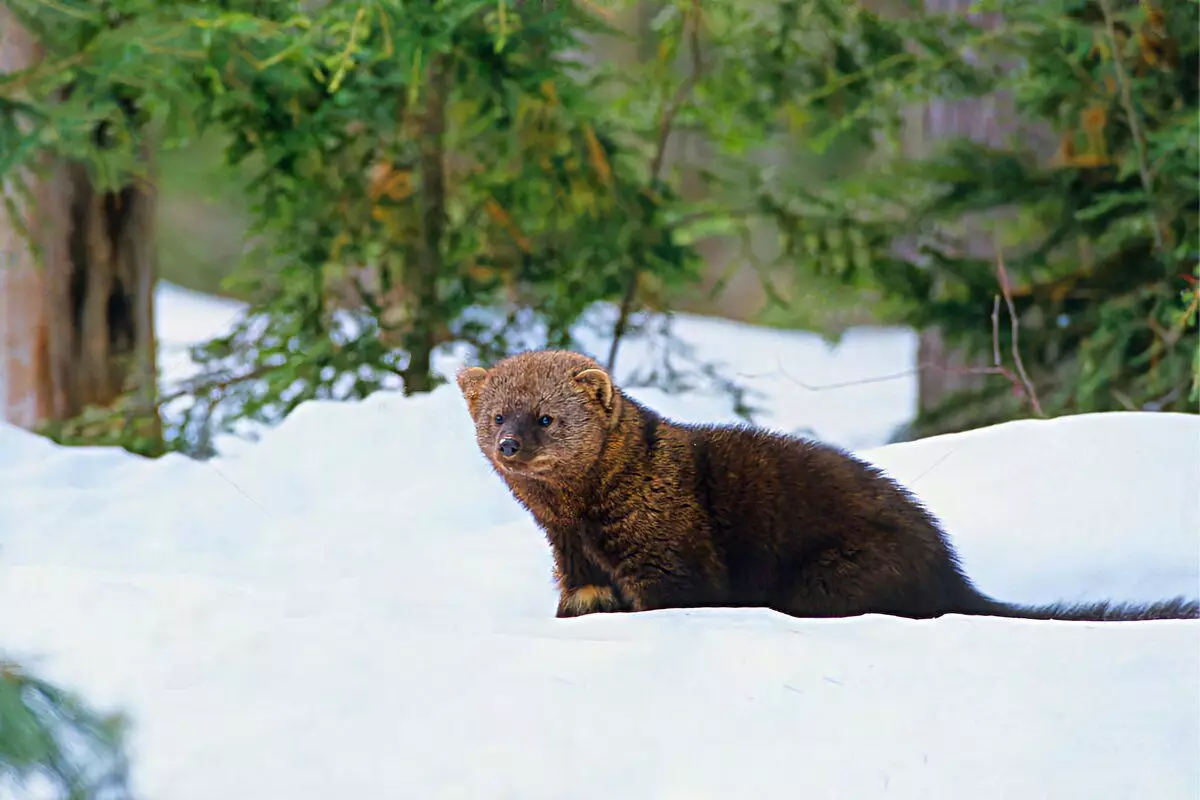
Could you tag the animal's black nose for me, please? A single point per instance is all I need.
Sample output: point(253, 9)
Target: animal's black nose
point(509, 447)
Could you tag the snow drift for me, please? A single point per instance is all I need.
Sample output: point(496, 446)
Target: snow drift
point(354, 607)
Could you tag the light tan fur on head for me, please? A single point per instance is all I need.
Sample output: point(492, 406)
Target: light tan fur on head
point(470, 383)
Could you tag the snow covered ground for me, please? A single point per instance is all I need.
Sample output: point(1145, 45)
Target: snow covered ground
point(354, 607)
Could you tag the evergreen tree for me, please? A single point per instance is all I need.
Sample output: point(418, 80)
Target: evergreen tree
point(49, 739)
point(76, 302)
point(421, 176)
point(1070, 280)
point(425, 176)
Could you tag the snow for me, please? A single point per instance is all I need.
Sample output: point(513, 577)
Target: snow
point(355, 607)
point(182, 318)
point(854, 393)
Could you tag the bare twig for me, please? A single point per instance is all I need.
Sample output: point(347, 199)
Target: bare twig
point(668, 114)
point(368, 298)
point(665, 124)
point(1135, 127)
point(923, 367)
point(210, 385)
point(622, 323)
point(1020, 379)
point(1030, 392)
point(1125, 400)
point(996, 331)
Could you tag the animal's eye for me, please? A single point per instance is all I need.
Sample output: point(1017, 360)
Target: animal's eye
point(499, 419)
point(544, 420)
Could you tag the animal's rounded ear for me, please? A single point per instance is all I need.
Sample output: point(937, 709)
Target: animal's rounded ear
point(598, 384)
point(470, 383)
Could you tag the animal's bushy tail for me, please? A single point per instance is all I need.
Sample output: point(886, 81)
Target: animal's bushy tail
point(1103, 611)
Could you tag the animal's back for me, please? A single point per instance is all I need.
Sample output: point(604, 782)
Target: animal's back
point(808, 529)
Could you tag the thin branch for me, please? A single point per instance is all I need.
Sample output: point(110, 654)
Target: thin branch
point(665, 125)
point(1134, 126)
point(667, 118)
point(1125, 400)
point(368, 298)
point(622, 323)
point(1019, 380)
point(1016, 352)
point(996, 331)
point(209, 384)
point(922, 367)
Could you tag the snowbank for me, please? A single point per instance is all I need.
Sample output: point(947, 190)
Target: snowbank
point(354, 607)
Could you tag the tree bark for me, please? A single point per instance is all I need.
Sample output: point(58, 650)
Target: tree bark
point(78, 326)
point(421, 277)
point(101, 267)
point(24, 354)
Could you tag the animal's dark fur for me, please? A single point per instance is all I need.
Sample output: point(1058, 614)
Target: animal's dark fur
point(645, 513)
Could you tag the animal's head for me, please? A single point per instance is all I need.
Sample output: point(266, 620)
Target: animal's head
point(543, 414)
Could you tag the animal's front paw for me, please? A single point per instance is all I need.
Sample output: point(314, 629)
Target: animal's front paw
point(588, 600)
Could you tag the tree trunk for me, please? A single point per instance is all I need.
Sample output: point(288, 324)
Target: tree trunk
point(421, 277)
point(78, 326)
point(24, 355)
point(101, 267)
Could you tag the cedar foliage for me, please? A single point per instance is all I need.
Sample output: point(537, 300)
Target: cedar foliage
point(422, 175)
point(428, 175)
point(1098, 243)
point(51, 740)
